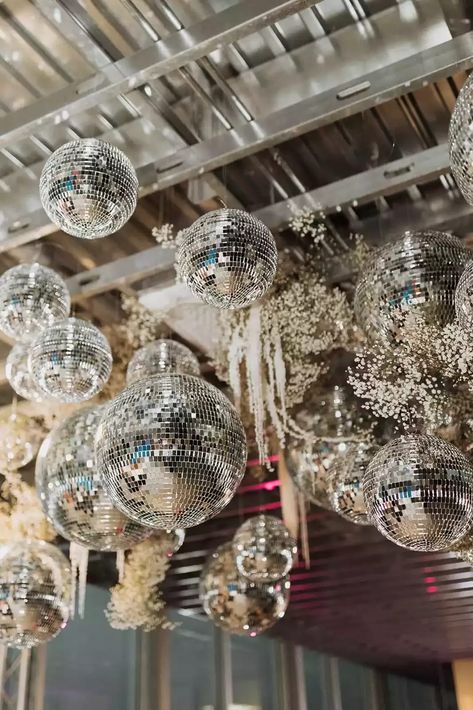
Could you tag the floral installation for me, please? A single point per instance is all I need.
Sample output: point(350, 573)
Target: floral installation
point(21, 513)
point(309, 223)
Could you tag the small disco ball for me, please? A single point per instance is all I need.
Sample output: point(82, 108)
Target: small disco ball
point(345, 482)
point(71, 490)
point(264, 549)
point(460, 141)
point(418, 491)
point(236, 604)
point(464, 298)
point(174, 540)
point(227, 258)
point(171, 450)
point(88, 188)
point(32, 297)
point(160, 357)
point(309, 464)
point(35, 593)
point(71, 361)
point(18, 374)
point(20, 438)
point(418, 274)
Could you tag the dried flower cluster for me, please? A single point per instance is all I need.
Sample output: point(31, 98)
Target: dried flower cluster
point(21, 513)
point(309, 223)
point(165, 236)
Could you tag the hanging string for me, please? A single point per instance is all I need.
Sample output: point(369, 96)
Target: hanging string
point(304, 531)
point(79, 557)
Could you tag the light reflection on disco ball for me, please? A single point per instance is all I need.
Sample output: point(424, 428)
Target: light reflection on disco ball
point(460, 141)
point(264, 549)
point(20, 437)
point(236, 604)
point(464, 298)
point(227, 258)
point(71, 361)
point(34, 593)
point(88, 188)
point(32, 297)
point(345, 482)
point(72, 492)
point(171, 450)
point(418, 273)
point(18, 374)
point(160, 357)
point(418, 492)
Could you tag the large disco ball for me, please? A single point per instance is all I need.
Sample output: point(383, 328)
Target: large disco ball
point(20, 437)
point(71, 361)
point(18, 374)
point(418, 491)
point(418, 274)
point(32, 297)
point(227, 258)
point(460, 141)
point(160, 357)
point(264, 549)
point(35, 593)
point(464, 298)
point(88, 188)
point(236, 604)
point(72, 492)
point(345, 482)
point(171, 450)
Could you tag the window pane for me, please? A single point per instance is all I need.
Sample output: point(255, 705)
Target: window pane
point(354, 685)
point(314, 671)
point(254, 673)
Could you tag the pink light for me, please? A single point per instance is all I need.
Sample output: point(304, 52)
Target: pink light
point(258, 462)
point(253, 634)
point(430, 580)
point(271, 485)
point(431, 590)
point(428, 569)
point(264, 486)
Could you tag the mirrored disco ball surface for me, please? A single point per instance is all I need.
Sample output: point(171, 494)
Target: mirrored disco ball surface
point(264, 549)
point(464, 298)
point(308, 464)
point(88, 188)
point(236, 604)
point(345, 482)
point(418, 491)
point(159, 357)
point(20, 437)
point(72, 492)
point(34, 593)
point(417, 273)
point(32, 297)
point(460, 141)
point(227, 258)
point(71, 361)
point(174, 540)
point(18, 374)
point(171, 451)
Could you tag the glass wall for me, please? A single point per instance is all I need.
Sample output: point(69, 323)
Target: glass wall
point(254, 673)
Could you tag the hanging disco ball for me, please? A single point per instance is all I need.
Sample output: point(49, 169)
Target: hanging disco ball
point(88, 188)
point(460, 141)
point(171, 450)
point(464, 298)
point(345, 482)
point(174, 540)
point(18, 374)
point(418, 274)
point(71, 361)
point(34, 593)
point(72, 492)
point(32, 297)
point(160, 357)
point(236, 604)
point(227, 258)
point(20, 437)
point(264, 549)
point(418, 491)
point(307, 471)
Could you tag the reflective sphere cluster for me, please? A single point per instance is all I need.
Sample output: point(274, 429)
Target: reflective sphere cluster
point(32, 297)
point(460, 141)
point(71, 361)
point(264, 549)
point(160, 357)
point(171, 450)
point(18, 374)
point(236, 604)
point(20, 437)
point(418, 273)
point(227, 258)
point(72, 492)
point(418, 491)
point(34, 593)
point(345, 482)
point(88, 188)
point(464, 298)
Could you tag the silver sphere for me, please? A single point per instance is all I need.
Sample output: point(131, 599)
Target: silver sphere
point(32, 297)
point(71, 361)
point(171, 450)
point(464, 298)
point(460, 141)
point(418, 273)
point(264, 549)
point(160, 357)
point(20, 438)
point(309, 463)
point(227, 258)
point(174, 540)
point(88, 188)
point(72, 492)
point(418, 491)
point(18, 374)
point(345, 482)
point(35, 593)
point(236, 604)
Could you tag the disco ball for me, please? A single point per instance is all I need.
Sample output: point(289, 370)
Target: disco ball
point(418, 491)
point(18, 374)
point(460, 141)
point(463, 549)
point(236, 604)
point(34, 593)
point(20, 438)
point(174, 540)
point(227, 258)
point(464, 298)
point(264, 549)
point(71, 490)
point(171, 450)
point(309, 463)
point(88, 188)
point(71, 361)
point(345, 482)
point(160, 357)
point(32, 297)
point(418, 273)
